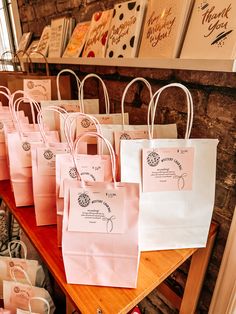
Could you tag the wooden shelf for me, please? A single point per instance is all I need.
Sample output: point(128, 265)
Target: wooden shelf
point(181, 64)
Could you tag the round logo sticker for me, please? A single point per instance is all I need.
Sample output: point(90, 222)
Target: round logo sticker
point(48, 154)
point(16, 289)
point(85, 123)
point(153, 159)
point(84, 200)
point(73, 173)
point(125, 136)
point(1, 125)
point(26, 146)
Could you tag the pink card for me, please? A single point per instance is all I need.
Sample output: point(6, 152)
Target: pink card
point(46, 157)
point(167, 169)
point(128, 135)
point(38, 89)
point(94, 209)
point(91, 168)
point(20, 295)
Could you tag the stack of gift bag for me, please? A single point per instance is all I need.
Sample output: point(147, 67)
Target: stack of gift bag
point(113, 189)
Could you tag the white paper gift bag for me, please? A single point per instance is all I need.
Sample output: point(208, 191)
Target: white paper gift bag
point(115, 133)
point(89, 106)
point(16, 295)
point(7, 263)
point(100, 231)
point(177, 178)
point(106, 118)
point(30, 305)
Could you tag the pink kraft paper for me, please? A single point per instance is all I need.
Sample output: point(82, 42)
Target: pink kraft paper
point(65, 159)
point(103, 259)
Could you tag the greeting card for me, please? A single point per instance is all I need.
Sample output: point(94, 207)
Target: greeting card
point(77, 40)
point(164, 28)
point(212, 31)
point(125, 29)
point(44, 41)
point(96, 42)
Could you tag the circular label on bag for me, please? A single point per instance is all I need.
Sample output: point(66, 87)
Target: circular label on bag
point(73, 173)
point(85, 123)
point(125, 136)
point(48, 154)
point(84, 200)
point(1, 125)
point(16, 289)
point(153, 159)
point(26, 146)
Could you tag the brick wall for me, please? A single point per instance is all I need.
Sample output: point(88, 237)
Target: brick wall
point(214, 95)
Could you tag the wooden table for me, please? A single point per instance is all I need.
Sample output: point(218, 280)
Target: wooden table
point(154, 268)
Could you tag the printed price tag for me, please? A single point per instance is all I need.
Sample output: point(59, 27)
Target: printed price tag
point(128, 135)
point(96, 210)
point(167, 169)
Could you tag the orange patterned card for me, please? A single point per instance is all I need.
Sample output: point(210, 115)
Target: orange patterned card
point(77, 40)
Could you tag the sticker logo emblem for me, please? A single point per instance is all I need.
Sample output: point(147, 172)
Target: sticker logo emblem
point(73, 173)
point(48, 154)
point(84, 200)
point(85, 123)
point(153, 159)
point(125, 136)
point(16, 289)
point(26, 146)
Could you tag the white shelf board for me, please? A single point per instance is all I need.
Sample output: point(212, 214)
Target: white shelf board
point(181, 64)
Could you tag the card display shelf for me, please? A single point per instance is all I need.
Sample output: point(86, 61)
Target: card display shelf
point(180, 64)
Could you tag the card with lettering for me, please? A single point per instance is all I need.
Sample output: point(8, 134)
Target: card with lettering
point(124, 34)
point(164, 28)
point(167, 169)
point(128, 135)
point(24, 41)
point(77, 40)
point(212, 31)
point(91, 168)
point(44, 41)
point(96, 42)
point(37, 89)
point(96, 210)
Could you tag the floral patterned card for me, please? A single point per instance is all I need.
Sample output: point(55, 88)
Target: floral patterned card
point(212, 31)
point(96, 42)
point(125, 29)
point(77, 40)
point(164, 28)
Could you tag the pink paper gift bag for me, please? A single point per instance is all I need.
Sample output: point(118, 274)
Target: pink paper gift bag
point(65, 166)
point(19, 150)
point(100, 232)
point(44, 170)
